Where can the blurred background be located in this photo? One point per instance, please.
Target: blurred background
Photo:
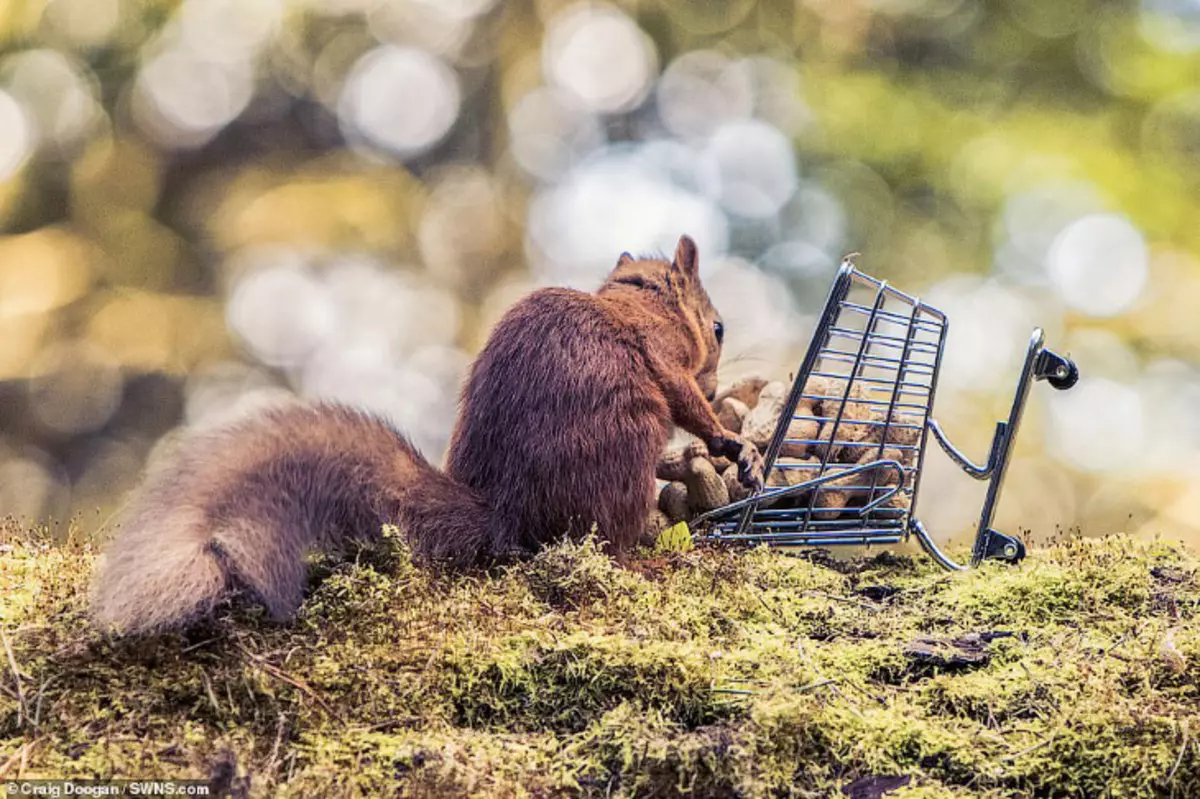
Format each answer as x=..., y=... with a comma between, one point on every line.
x=209, y=205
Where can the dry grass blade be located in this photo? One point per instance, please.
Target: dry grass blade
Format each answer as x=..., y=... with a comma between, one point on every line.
x=22, y=707
x=291, y=680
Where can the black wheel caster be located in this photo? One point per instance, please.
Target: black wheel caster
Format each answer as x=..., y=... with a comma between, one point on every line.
x=1060, y=372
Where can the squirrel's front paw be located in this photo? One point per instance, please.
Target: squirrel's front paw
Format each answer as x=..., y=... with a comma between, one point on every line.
x=744, y=454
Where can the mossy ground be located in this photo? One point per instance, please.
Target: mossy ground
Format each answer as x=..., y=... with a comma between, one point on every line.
x=707, y=673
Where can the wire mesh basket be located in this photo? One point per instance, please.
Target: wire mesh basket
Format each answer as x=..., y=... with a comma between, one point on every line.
x=844, y=464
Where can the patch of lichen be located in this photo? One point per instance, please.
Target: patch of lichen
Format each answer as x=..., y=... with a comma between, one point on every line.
x=707, y=673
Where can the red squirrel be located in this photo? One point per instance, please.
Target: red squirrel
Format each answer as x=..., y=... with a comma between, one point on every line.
x=561, y=424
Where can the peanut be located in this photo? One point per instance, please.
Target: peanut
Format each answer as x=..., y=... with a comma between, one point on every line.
x=801, y=430
x=695, y=449
x=850, y=425
x=705, y=488
x=745, y=391
x=832, y=497
x=673, y=502
x=731, y=412
x=885, y=478
x=736, y=490
x=672, y=466
x=759, y=424
x=656, y=522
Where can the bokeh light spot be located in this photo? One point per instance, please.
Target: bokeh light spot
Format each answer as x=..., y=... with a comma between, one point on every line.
x=611, y=203
x=76, y=388
x=700, y=90
x=29, y=488
x=184, y=99
x=989, y=329
x=750, y=168
x=230, y=29
x=17, y=136
x=281, y=312
x=85, y=22
x=1098, y=425
x=57, y=93
x=601, y=56
x=551, y=132
x=1099, y=264
x=400, y=99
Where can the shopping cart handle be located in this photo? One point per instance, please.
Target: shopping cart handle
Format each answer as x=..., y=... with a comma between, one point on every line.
x=970, y=467
x=1056, y=370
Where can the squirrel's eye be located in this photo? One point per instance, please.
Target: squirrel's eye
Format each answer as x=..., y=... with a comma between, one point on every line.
x=719, y=331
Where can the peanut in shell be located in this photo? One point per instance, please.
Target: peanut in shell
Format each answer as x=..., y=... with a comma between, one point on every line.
x=705, y=488
x=656, y=522
x=672, y=466
x=734, y=486
x=673, y=502
x=745, y=391
x=731, y=412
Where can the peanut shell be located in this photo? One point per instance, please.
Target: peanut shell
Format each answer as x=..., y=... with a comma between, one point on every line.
x=673, y=502
x=731, y=412
x=734, y=486
x=672, y=466
x=745, y=391
x=705, y=488
x=656, y=522
x=759, y=424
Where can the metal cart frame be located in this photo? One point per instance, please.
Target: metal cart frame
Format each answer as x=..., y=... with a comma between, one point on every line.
x=886, y=349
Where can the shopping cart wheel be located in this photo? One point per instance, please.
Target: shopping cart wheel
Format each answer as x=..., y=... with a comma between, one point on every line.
x=995, y=545
x=1066, y=380
x=1060, y=372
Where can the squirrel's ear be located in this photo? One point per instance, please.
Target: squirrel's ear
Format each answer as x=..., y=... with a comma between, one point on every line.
x=686, y=259
x=625, y=258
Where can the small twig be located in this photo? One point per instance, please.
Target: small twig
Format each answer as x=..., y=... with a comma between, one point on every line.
x=774, y=611
x=37, y=707
x=847, y=600
x=1182, y=749
x=212, y=697
x=1119, y=641
x=22, y=710
x=812, y=686
x=881, y=700
x=296, y=682
x=1036, y=746
x=187, y=649
x=281, y=727
x=17, y=756
x=854, y=708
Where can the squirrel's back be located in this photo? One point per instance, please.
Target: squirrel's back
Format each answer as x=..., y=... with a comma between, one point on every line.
x=561, y=423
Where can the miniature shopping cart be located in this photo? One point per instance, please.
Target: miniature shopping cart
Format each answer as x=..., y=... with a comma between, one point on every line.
x=844, y=464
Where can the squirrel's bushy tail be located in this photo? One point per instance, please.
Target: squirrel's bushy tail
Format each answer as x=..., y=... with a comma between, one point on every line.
x=238, y=509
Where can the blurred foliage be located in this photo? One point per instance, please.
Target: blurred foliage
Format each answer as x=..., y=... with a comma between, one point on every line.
x=203, y=204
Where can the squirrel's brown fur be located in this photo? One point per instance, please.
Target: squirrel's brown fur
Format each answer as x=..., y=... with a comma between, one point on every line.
x=562, y=420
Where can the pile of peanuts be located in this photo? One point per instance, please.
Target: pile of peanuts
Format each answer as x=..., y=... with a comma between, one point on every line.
x=697, y=483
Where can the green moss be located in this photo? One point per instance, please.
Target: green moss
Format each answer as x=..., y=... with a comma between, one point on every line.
x=708, y=673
